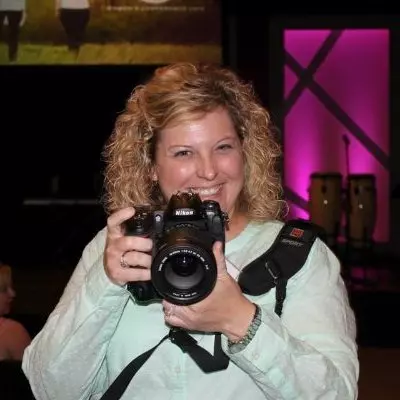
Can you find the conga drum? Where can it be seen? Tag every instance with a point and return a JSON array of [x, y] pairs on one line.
[[325, 203], [361, 215]]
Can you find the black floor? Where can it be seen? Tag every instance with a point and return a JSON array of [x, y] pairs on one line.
[[373, 281]]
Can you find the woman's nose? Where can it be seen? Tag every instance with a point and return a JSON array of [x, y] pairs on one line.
[[11, 292], [206, 168]]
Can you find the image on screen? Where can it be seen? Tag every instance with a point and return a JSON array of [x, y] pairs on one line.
[[91, 32]]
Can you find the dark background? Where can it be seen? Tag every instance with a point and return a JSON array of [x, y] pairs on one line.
[[55, 120]]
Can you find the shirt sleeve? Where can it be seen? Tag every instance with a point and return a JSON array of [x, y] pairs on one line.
[[310, 352], [64, 360]]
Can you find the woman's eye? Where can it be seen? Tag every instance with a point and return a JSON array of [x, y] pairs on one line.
[[224, 147], [182, 153]]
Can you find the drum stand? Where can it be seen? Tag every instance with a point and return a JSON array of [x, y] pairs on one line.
[[359, 253]]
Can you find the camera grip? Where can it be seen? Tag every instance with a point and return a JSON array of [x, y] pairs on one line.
[[141, 224]]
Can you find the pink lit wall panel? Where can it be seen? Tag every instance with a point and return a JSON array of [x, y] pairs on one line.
[[336, 86]]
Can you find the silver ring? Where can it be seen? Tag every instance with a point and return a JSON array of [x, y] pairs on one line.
[[123, 262]]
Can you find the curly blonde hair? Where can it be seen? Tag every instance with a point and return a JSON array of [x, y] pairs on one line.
[[182, 92]]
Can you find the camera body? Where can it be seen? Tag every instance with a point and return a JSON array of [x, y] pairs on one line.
[[183, 269]]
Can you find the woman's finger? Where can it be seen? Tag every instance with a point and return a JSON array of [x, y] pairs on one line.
[[115, 220], [219, 256]]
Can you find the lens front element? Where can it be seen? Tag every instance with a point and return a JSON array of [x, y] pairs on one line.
[[184, 273]]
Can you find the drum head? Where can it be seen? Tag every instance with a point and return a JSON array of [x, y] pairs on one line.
[[326, 175], [366, 177]]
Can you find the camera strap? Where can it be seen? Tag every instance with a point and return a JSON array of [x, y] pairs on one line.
[[273, 268], [280, 262], [206, 361]]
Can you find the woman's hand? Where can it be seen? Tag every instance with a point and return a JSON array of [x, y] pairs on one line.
[[225, 310], [126, 258]]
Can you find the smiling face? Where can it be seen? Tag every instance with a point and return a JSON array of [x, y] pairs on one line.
[[203, 155]]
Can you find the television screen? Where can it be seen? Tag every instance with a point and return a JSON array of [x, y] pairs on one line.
[[119, 32]]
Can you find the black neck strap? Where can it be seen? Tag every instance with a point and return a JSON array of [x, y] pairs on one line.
[[206, 361]]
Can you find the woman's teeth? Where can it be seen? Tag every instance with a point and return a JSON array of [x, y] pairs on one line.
[[206, 191]]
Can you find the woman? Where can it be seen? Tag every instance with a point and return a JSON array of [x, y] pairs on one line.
[[14, 338], [196, 128]]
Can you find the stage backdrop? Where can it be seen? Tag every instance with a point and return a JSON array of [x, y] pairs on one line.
[[336, 85], [119, 32]]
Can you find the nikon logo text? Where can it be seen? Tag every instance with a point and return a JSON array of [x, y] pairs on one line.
[[183, 212]]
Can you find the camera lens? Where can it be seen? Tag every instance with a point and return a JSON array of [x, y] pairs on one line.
[[183, 271], [184, 265], [183, 268]]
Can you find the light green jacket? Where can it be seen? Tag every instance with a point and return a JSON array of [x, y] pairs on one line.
[[97, 329]]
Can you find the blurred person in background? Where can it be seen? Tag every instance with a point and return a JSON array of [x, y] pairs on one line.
[[74, 16], [14, 338], [12, 16]]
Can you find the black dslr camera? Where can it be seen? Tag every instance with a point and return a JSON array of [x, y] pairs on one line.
[[183, 268]]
